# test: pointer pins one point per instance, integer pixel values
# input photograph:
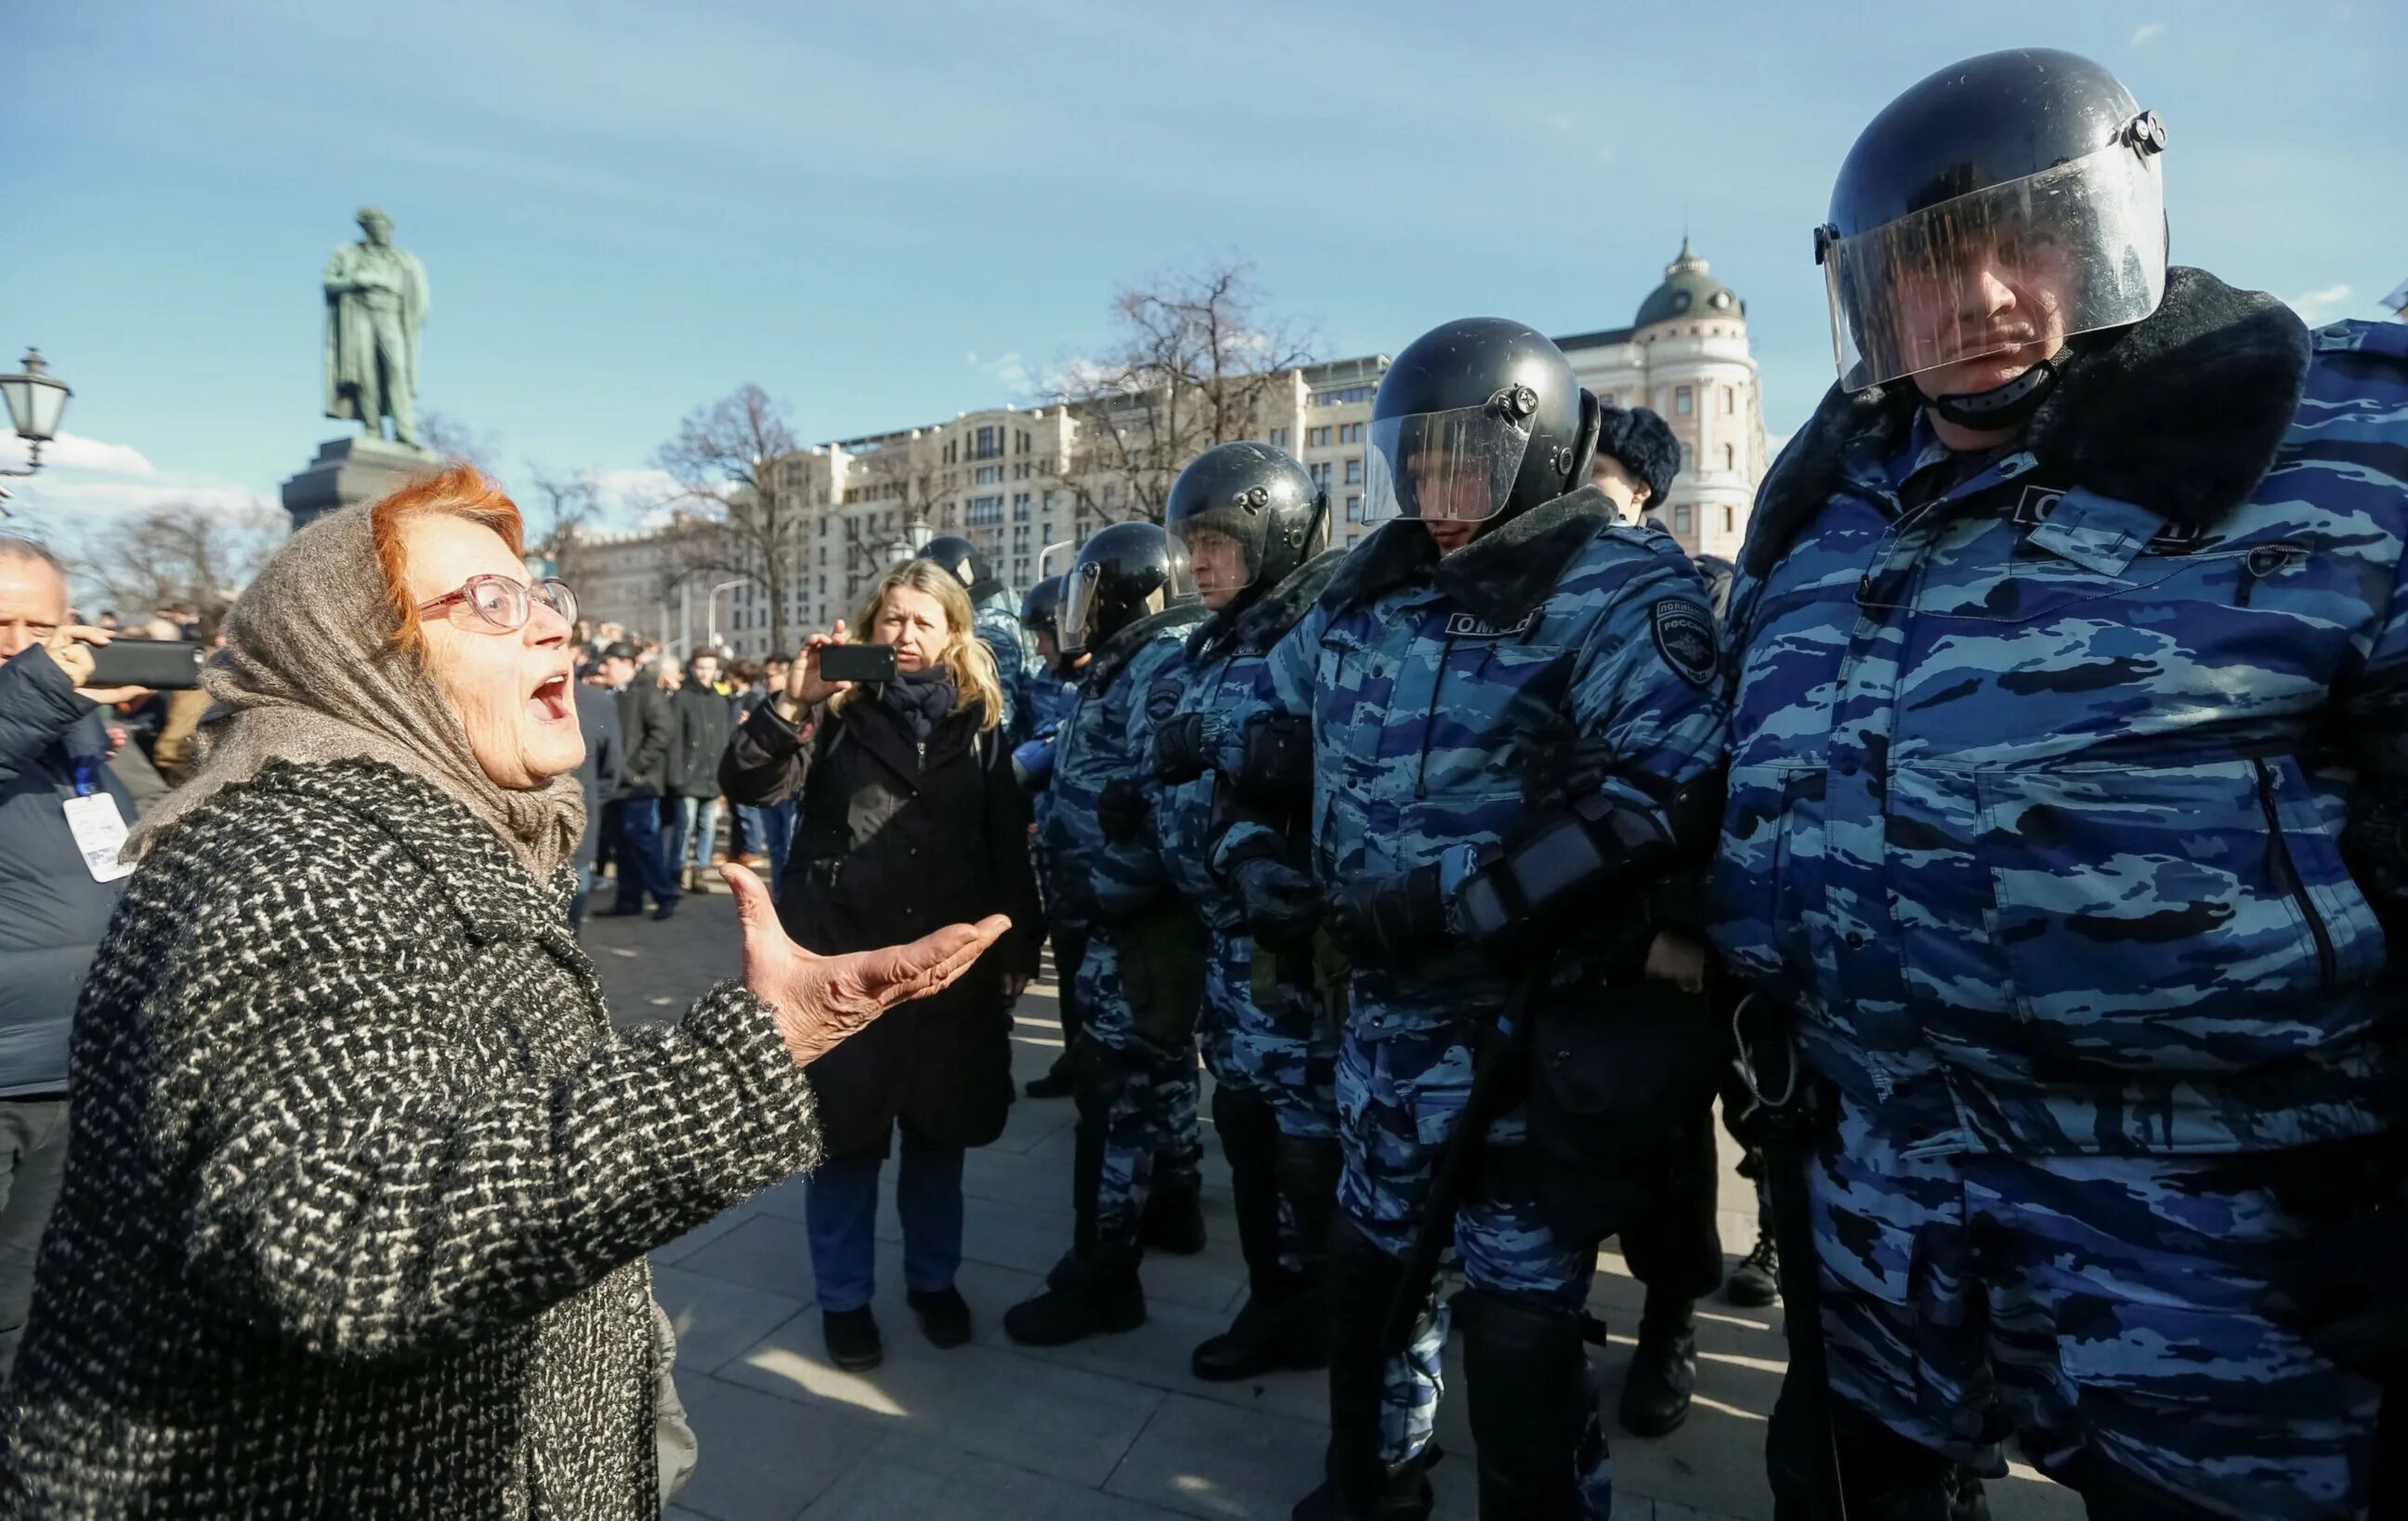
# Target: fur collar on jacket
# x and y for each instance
(2180, 413)
(1116, 651)
(1253, 627)
(1500, 575)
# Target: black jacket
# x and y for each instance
(597, 715)
(696, 741)
(891, 843)
(52, 912)
(648, 728)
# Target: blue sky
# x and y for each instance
(886, 214)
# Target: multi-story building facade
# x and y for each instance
(1015, 480)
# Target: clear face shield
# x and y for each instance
(1220, 545)
(1455, 466)
(1082, 598)
(2030, 262)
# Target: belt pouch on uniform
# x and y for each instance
(1162, 971)
(1611, 1085)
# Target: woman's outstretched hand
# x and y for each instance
(820, 1000)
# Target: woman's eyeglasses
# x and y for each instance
(502, 605)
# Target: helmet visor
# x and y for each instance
(2028, 264)
(1221, 546)
(1455, 467)
(1084, 593)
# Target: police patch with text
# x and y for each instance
(1466, 625)
(1685, 636)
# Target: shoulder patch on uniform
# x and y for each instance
(1162, 701)
(1470, 625)
(1685, 636)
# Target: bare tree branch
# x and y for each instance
(733, 517)
(180, 554)
(453, 439)
(1193, 362)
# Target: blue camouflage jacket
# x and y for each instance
(1109, 737)
(1435, 687)
(2038, 774)
(996, 622)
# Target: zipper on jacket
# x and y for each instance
(2328, 966)
(921, 747)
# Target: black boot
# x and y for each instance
(1277, 1329)
(1174, 1212)
(1664, 1371)
(1756, 1280)
(1533, 1414)
(1362, 1284)
(1057, 1083)
(1084, 1296)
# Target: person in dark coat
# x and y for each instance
(690, 781)
(597, 715)
(648, 726)
(909, 816)
(54, 901)
(361, 1181)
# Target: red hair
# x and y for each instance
(460, 491)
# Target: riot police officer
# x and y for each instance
(1513, 718)
(1127, 602)
(2070, 666)
(1252, 519)
(1050, 690)
(996, 621)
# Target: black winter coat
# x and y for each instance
(698, 728)
(891, 843)
(597, 715)
(648, 727)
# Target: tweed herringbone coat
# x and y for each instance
(361, 1181)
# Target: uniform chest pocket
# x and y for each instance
(2085, 548)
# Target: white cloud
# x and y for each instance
(2146, 33)
(73, 451)
(73, 494)
(1009, 369)
(2320, 306)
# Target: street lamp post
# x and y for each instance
(35, 400)
(710, 606)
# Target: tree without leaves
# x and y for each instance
(732, 519)
(1193, 362)
(453, 438)
(906, 478)
(179, 554)
(565, 506)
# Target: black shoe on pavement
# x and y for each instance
(1174, 1219)
(944, 1317)
(663, 912)
(1664, 1371)
(1266, 1338)
(852, 1339)
(1083, 1298)
(621, 910)
(1756, 1282)
(1057, 1083)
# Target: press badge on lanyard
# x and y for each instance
(99, 828)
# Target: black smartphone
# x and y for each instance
(856, 662)
(161, 664)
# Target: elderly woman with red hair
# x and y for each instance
(360, 1179)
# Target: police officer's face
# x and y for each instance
(1048, 647)
(2009, 297)
(1624, 490)
(1219, 566)
(915, 624)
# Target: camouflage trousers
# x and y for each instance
(2100, 1308)
(1143, 1091)
(1398, 1101)
(1284, 1055)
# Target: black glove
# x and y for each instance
(2340, 1287)
(1120, 810)
(1391, 921)
(1279, 904)
(1179, 754)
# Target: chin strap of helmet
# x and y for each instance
(2006, 405)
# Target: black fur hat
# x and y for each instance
(1642, 443)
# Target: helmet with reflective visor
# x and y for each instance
(966, 560)
(1476, 420)
(1041, 607)
(1123, 573)
(1259, 502)
(2009, 201)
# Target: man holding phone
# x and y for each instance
(61, 816)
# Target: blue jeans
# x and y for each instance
(641, 866)
(840, 1211)
(690, 818)
(780, 819)
(744, 835)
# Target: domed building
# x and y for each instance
(1686, 356)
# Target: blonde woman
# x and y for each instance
(908, 816)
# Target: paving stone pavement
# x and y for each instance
(1114, 1428)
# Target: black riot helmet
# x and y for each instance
(1255, 497)
(2029, 174)
(966, 561)
(1041, 607)
(1477, 419)
(1123, 573)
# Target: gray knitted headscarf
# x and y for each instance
(310, 674)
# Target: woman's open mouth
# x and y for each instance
(550, 702)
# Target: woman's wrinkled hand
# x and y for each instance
(70, 648)
(804, 687)
(820, 1000)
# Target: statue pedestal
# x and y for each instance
(355, 469)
